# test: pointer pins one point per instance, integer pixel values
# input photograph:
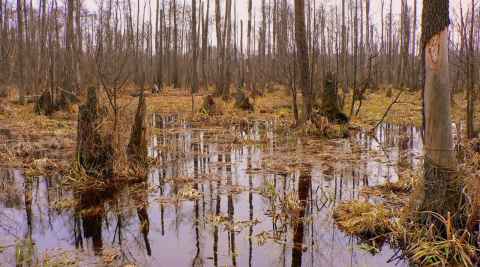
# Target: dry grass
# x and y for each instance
(363, 219)
(422, 245)
(408, 110)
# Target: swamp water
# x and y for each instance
(244, 196)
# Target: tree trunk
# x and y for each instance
(3, 57)
(442, 193)
(20, 56)
(68, 84)
(414, 75)
(249, 45)
(344, 50)
(194, 49)
(176, 82)
(78, 44)
(302, 57)
(227, 36)
(471, 79)
(220, 50)
(205, 46)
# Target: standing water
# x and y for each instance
(245, 196)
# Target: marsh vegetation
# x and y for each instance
(239, 133)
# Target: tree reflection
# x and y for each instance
(141, 199)
(304, 185)
(91, 211)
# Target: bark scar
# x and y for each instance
(433, 50)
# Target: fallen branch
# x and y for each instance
(388, 110)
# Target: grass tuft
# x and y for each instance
(363, 219)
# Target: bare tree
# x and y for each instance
(21, 53)
(220, 47)
(302, 58)
(70, 55)
(194, 51)
(175, 78)
(471, 77)
(205, 45)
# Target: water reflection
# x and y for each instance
(238, 197)
(304, 187)
(141, 201)
(91, 212)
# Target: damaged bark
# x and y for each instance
(442, 190)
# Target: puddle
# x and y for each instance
(243, 196)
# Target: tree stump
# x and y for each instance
(243, 102)
(95, 151)
(330, 107)
(389, 92)
(137, 150)
(50, 102)
(209, 106)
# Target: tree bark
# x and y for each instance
(205, 46)
(249, 45)
(442, 193)
(194, 49)
(302, 57)
(21, 53)
(175, 78)
(68, 83)
(220, 50)
(471, 78)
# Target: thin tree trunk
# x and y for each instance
(205, 46)
(175, 78)
(471, 78)
(249, 46)
(414, 74)
(220, 50)
(68, 83)
(20, 56)
(194, 51)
